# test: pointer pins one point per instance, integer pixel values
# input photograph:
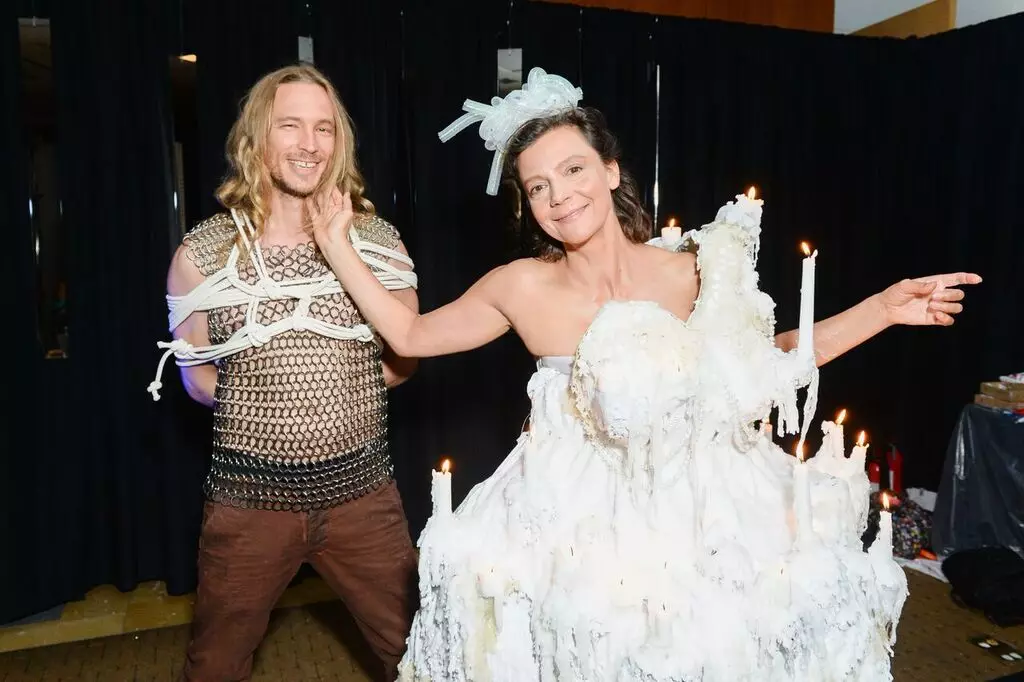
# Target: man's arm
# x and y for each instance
(397, 369)
(183, 276)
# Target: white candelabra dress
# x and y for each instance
(646, 529)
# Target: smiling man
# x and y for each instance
(297, 382)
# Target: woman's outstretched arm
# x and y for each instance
(932, 300)
(471, 321)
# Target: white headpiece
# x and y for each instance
(544, 94)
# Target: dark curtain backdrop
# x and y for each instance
(236, 42)
(468, 407)
(359, 47)
(367, 65)
(95, 496)
(895, 158)
(610, 56)
(17, 275)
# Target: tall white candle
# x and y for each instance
(805, 342)
(882, 546)
(802, 499)
(441, 489)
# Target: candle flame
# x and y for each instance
(800, 451)
(885, 501)
(806, 248)
(752, 192)
(446, 465)
(862, 438)
(842, 416)
(671, 222)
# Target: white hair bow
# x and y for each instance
(542, 95)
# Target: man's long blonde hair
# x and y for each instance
(248, 184)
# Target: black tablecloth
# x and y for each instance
(981, 497)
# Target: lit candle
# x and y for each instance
(805, 342)
(671, 233)
(441, 489)
(802, 499)
(836, 436)
(859, 454)
(882, 546)
(745, 211)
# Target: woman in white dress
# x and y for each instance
(642, 529)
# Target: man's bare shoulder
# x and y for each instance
(209, 243)
(184, 274)
(204, 249)
(376, 229)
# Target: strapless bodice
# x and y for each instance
(560, 363)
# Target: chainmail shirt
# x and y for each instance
(300, 422)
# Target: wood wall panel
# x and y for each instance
(935, 17)
(809, 15)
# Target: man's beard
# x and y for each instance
(281, 185)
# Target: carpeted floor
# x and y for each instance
(319, 643)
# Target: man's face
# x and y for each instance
(302, 138)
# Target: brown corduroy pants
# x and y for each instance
(247, 557)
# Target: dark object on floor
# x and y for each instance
(978, 503)
(989, 579)
(1012, 677)
(1001, 650)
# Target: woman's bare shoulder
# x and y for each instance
(522, 271)
(675, 265)
(674, 276)
(516, 279)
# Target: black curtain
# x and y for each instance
(17, 275)
(365, 66)
(589, 47)
(236, 43)
(97, 497)
(896, 159)
(470, 406)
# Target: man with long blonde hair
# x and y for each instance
(297, 380)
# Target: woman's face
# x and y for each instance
(568, 185)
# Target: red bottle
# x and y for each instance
(874, 475)
(895, 462)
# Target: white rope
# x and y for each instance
(225, 288)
